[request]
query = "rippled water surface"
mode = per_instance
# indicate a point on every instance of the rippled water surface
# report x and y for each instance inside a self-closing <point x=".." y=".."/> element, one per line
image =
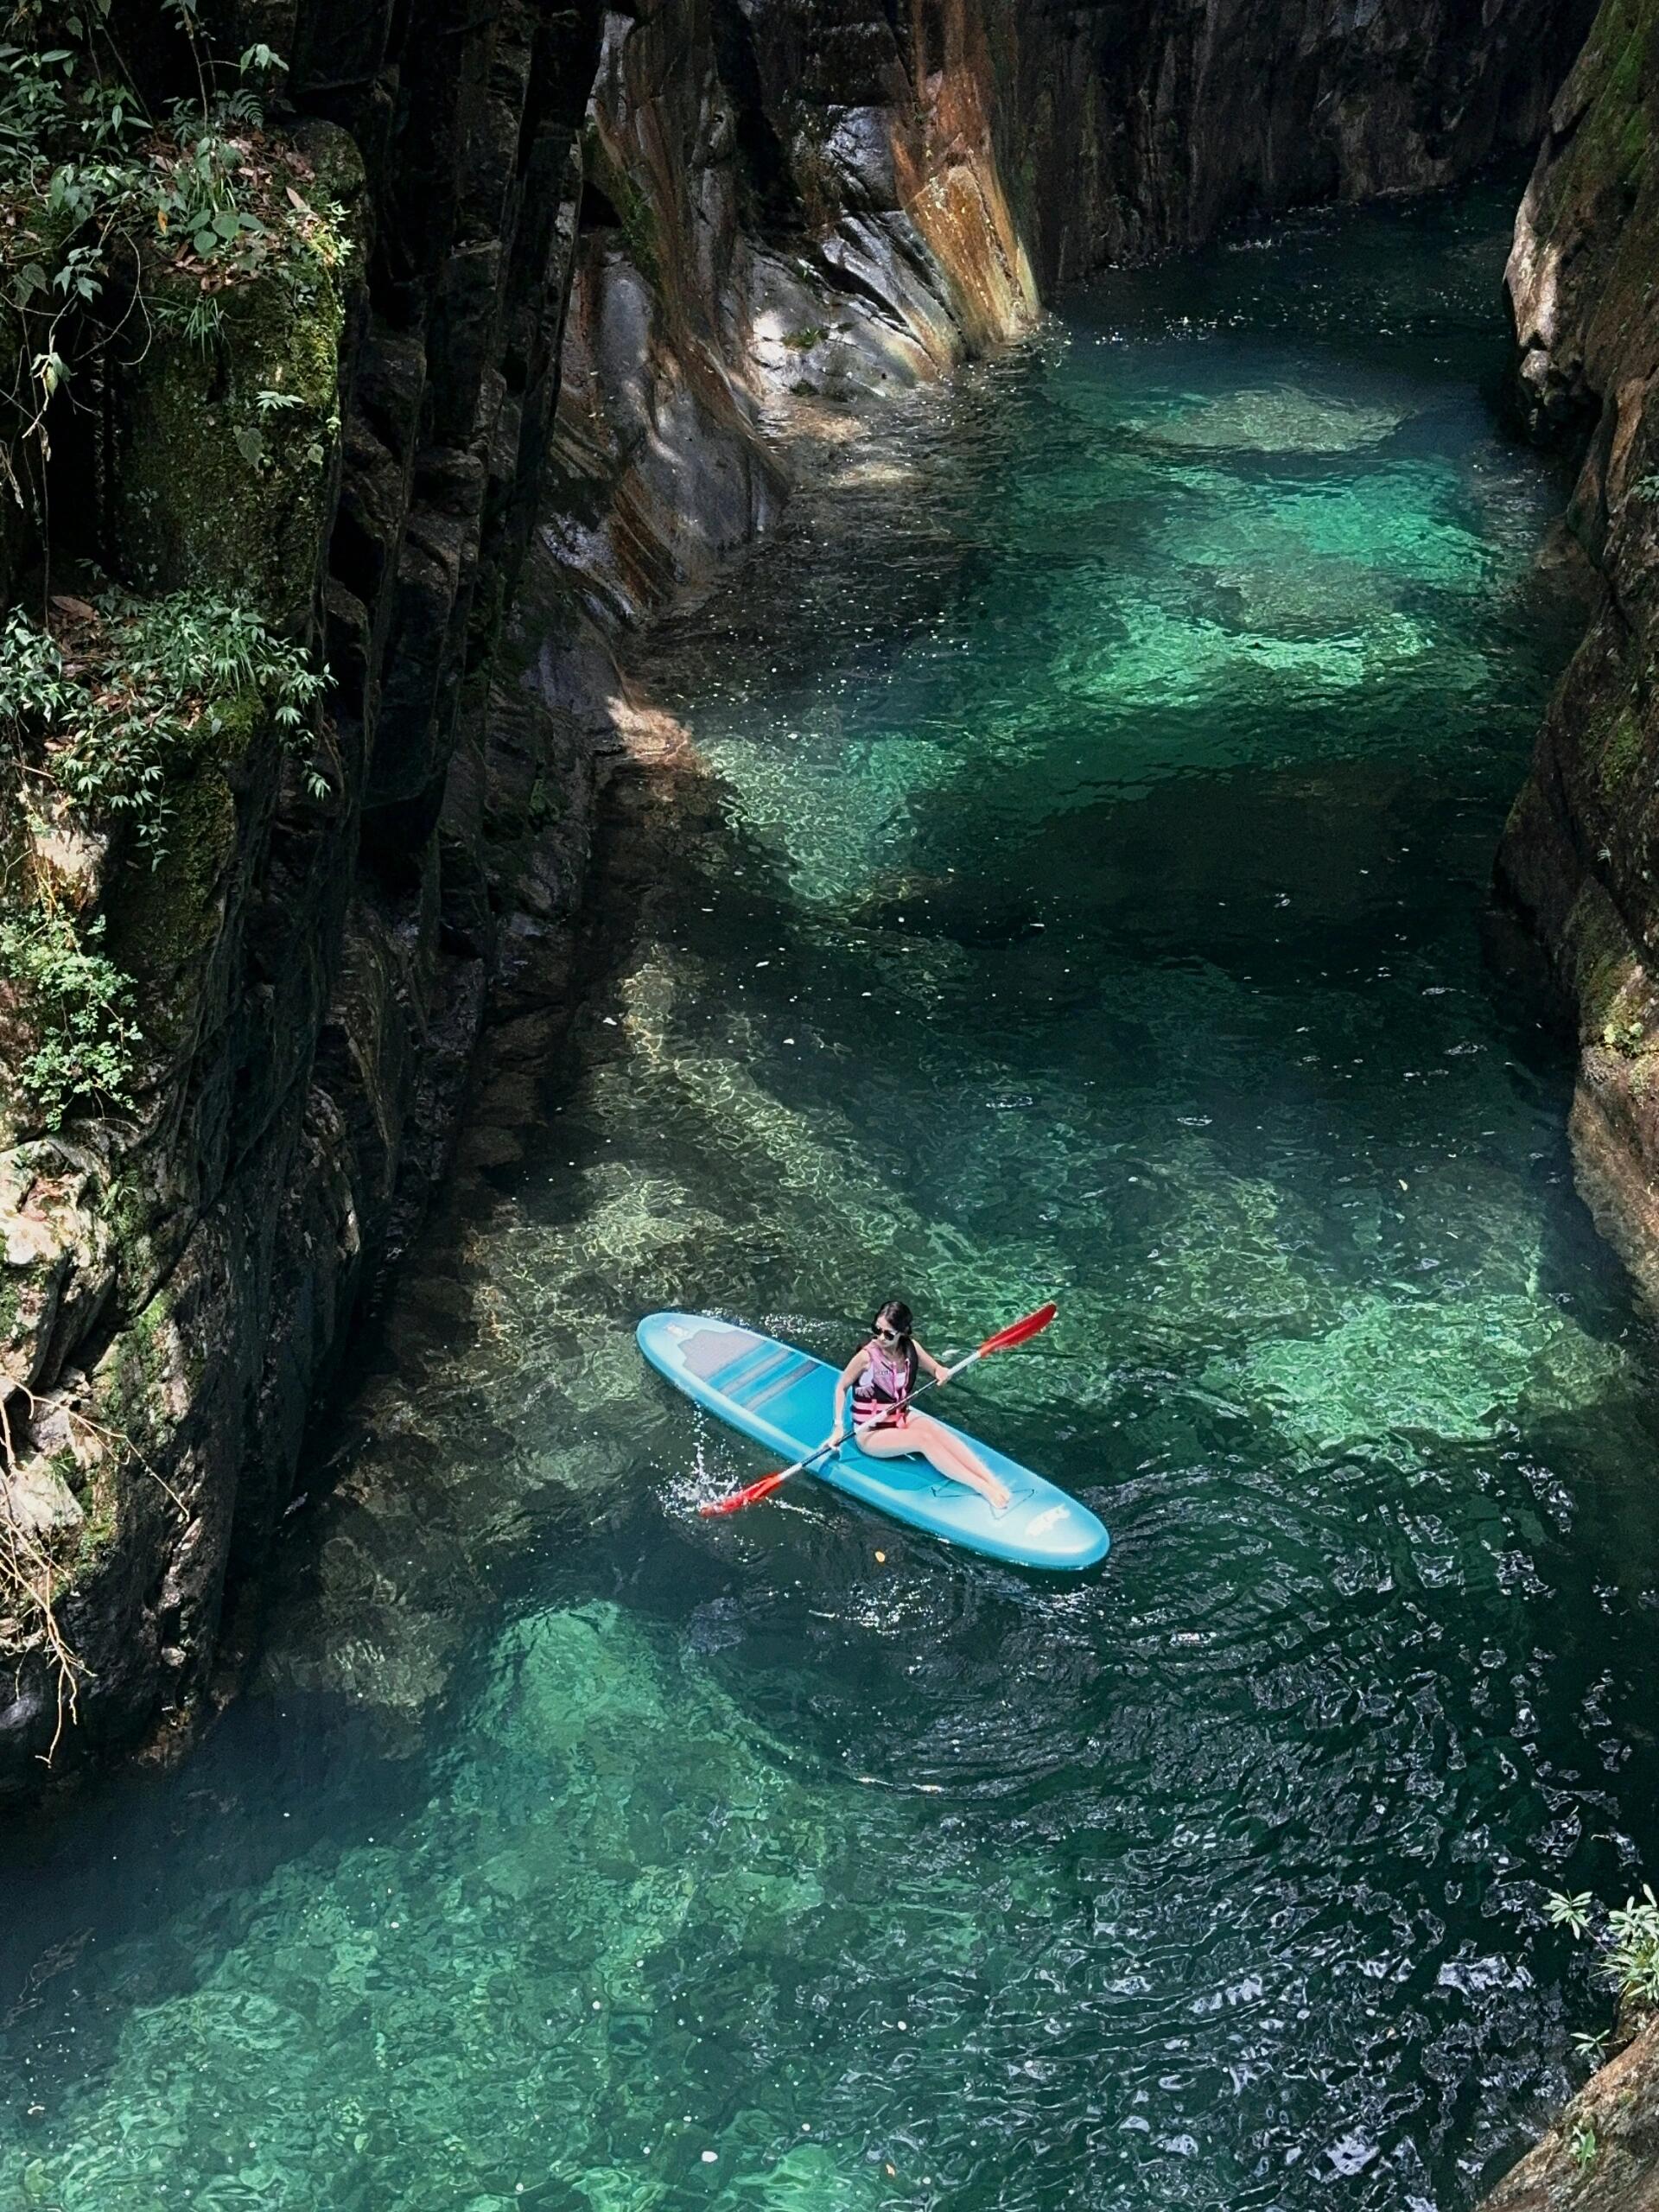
<point x="1085" y="901"/>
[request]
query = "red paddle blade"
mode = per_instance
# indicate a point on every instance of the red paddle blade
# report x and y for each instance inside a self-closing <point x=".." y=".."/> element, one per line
<point x="745" y="1496"/>
<point x="1018" y="1331"/>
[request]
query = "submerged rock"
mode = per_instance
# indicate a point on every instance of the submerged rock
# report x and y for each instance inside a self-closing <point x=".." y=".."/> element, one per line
<point x="1276" y="420"/>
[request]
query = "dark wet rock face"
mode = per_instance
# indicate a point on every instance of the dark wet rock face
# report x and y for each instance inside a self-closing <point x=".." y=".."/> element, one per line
<point x="1140" y="127"/>
<point x="1576" y="855"/>
<point x="613" y="282"/>
<point x="314" y="974"/>
<point x="1602" y="2155"/>
<point x="1577" y="852"/>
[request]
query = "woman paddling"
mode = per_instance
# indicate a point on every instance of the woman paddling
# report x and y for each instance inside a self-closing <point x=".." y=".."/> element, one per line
<point x="882" y="1377"/>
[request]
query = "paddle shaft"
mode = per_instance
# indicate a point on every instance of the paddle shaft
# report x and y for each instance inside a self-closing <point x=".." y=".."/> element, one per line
<point x="1017" y="1332"/>
<point x="767" y="1483"/>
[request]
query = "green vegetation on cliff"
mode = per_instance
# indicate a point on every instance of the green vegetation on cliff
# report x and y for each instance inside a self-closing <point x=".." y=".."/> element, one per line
<point x="103" y="717"/>
<point x="1614" y="81"/>
<point x="1629" y="1942"/>
<point x="121" y="225"/>
<point x="186" y="261"/>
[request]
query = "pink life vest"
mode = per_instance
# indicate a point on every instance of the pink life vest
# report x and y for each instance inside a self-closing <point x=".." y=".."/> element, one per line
<point x="881" y="1392"/>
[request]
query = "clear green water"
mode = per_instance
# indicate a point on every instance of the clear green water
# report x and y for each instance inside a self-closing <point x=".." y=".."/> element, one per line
<point x="1088" y="905"/>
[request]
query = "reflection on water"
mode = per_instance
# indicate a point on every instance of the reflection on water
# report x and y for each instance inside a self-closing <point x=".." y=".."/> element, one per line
<point x="1087" y="906"/>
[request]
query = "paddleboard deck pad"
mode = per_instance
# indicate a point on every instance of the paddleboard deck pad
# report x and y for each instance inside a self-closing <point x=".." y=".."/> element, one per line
<point x="785" y="1399"/>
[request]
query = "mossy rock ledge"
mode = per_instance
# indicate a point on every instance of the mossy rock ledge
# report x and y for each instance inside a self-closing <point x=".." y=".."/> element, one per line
<point x="223" y="451"/>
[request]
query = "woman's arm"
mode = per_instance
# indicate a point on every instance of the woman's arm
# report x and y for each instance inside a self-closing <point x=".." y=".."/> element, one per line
<point x="925" y="1359"/>
<point x="844" y="1382"/>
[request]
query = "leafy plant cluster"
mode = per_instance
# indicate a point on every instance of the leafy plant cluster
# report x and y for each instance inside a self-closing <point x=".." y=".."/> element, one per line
<point x="74" y="1007"/>
<point x="92" y="707"/>
<point x="94" y="712"/>
<point x="98" y="195"/>
<point x="1628" y="1940"/>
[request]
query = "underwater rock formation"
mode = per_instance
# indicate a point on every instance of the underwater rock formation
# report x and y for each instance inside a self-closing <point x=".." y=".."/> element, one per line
<point x="617" y="276"/>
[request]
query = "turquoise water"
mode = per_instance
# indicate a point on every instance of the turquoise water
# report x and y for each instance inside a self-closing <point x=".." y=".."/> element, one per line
<point x="1083" y="900"/>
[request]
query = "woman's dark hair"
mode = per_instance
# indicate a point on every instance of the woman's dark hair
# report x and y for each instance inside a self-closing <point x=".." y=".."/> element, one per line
<point x="897" y="1315"/>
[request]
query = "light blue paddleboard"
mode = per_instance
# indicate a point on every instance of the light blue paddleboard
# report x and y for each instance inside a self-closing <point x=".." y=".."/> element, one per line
<point x="785" y="1400"/>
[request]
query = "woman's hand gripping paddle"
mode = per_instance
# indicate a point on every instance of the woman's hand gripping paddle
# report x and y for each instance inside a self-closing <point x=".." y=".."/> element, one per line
<point x="1017" y="1332"/>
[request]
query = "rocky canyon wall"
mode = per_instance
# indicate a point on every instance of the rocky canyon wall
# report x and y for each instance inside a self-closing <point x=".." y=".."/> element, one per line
<point x="352" y="456"/>
<point x="1578" y="855"/>
<point x="822" y="198"/>
<point x="1579" y="851"/>
<point x="582" y="293"/>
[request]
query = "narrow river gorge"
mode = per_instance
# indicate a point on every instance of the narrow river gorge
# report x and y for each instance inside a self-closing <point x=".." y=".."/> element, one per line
<point x="1076" y="885"/>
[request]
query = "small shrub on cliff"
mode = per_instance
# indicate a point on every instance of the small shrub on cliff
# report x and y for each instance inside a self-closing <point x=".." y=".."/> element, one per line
<point x="98" y="195"/>
<point x="98" y="714"/>
<point x="1629" y="1940"/>
<point x="91" y="709"/>
<point x="74" y="1008"/>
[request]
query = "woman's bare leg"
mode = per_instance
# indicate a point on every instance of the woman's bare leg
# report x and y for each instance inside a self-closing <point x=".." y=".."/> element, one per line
<point x="952" y="1457"/>
<point x="945" y="1453"/>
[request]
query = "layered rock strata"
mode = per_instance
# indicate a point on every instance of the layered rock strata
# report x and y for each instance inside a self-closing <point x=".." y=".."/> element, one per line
<point x="620" y="275"/>
<point x="310" y="971"/>
<point x="1578" y="855"/>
